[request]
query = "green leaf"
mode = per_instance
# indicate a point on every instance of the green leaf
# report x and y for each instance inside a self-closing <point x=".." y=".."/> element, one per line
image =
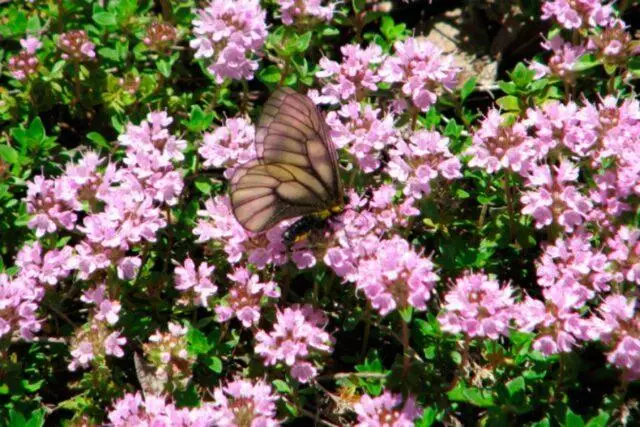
<point x="467" y="88"/>
<point x="105" y="19"/>
<point x="429" y="416"/>
<point x="199" y="120"/>
<point x="572" y="419"/>
<point x="9" y="154"/>
<point x="281" y="386"/>
<point x="586" y="62"/>
<point x="522" y="75"/>
<point x="270" y="74"/>
<point x="99" y="140"/>
<point x="509" y="103"/>
<point x="215" y="364"/>
<point x="197" y="342"/>
<point x="473" y="395"/>
<point x="36" y="129"/>
<point x="303" y="41"/>
<point x="516" y="389"/>
<point x="203" y="184"/>
<point x="599" y="420"/>
<point x="164" y="67"/>
<point x="406" y="314"/>
<point x="634" y="65"/>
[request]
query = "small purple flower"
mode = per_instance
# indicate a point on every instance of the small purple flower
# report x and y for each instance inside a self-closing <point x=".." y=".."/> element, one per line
<point x="386" y="410"/>
<point x="76" y="46"/>
<point x="244" y="298"/>
<point x="244" y="402"/>
<point x="228" y="34"/>
<point x="197" y="282"/>
<point x="478" y="307"/>
<point x="294" y="11"/>
<point x="297" y="334"/>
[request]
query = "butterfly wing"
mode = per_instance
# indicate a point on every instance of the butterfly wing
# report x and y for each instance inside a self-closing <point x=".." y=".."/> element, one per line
<point x="296" y="172"/>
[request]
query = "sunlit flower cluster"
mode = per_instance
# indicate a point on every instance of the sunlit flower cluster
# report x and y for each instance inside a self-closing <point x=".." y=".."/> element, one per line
<point x="228" y="34"/>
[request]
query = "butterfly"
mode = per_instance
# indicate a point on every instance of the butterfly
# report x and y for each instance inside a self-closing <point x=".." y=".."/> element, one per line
<point x="295" y="173"/>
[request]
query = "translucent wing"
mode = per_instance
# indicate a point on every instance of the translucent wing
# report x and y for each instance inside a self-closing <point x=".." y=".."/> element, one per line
<point x="296" y="172"/>
<point x="292" y="130"/>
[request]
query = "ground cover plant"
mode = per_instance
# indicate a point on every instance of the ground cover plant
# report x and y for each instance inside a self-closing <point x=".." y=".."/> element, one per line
<point x="484" y="270"/>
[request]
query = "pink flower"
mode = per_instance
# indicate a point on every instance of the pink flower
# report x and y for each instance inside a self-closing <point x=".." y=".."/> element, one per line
<point x="76" y="46"/>
<point x="135" y="410"/>
<point x="422" y="70"/>
<point x="108" y="310"/>
<point x="297" y="334"/>
<point x="244" y="298"/>
<point x="23" y="65"/>
<point x="113" y="344"/>
<point x="82" y="354"/>
<point x="30" y="44"/>
<point x="574" y="14"/>
<point x="228" y="34"/>
<point x="573" y="264"/>
<point x="364" y="132"/>
<point x="197" y="282"/>
<point x="244" y="402"/>
<point x="229" y="145"/>
<point x="423" y="159"/>
<point x="498" y="146"/>
<point x="558" y="320"/>
<point x="478" y="307"/>
<point x="562" y="62"/>
<point x="394" y="276"/>
<point x="296" y="10"/>
<point x="353" y="78"/>
<point x="19" y="298"/>
<point x="625" y="254"/>
<point x="619" y="327"/>
<point x="385" y="410"/>
<point x="553" y="198"/>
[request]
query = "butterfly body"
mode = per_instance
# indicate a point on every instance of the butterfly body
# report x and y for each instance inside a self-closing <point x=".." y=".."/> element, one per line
<point x="300" y="229"/>
<point x="295" y="172"/>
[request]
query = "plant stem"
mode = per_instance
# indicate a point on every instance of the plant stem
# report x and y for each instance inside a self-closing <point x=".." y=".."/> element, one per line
<point x="507" y="190"/>
<point x="405" y="346"/>
<point x="367" y="330"/>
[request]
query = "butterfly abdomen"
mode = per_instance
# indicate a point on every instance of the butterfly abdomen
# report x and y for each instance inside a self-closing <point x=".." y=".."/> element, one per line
<point x="301" y="228"/>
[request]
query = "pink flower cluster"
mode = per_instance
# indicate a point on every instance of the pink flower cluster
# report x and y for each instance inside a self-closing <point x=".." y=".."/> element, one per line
<point x="365" y="222"/>
<point x="95" y="342"/>
<point x="136" y="410"/>
<point x="229" y="145"/>
<point x="575" y="14"/>
<point x="619" y="327"/>
<point x="76" y="46"/>
<point x="19" y="298"/>
<point x="297" y="334"/>
<point x="244" y="298"/>
<point x="422" y="159"/>
<point x="25" y="63"/>
<point x="554" y="196"/>
<point x="572" y="263"/>
<point x="353" y="78"/>
<point x="364" y="131"/>
<point x="218" y="225"/>
<point x="124" y="202"/>
<point x="196" y="283"/>
<point x="386" y="410"/>
<point x="244" y="402"/>
<point x="496" y="145"/>
<point x="421" y="69"/>
<point x="167" y="353"/>
<point x="562" y="62"/>
<point x="478" y="307"/>
<point x="228" y="34"/>
<point x="293" y="11"/>
<point x="238" y="403"/>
